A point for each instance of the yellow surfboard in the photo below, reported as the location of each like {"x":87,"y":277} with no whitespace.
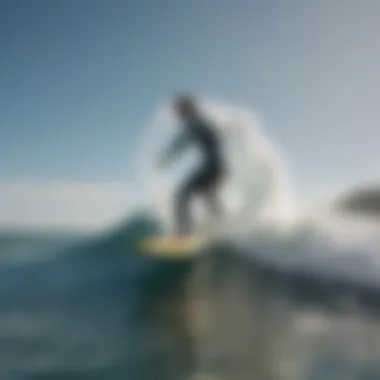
{"x":171,"y":246}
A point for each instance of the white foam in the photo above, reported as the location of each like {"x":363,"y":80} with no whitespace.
{"x":259,"y":199}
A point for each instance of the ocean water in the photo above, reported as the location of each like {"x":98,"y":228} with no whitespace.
{"x":92,"y":307}
{"x":278,"y":295}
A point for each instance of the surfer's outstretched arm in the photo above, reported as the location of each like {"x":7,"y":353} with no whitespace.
{"x":179,"y":144}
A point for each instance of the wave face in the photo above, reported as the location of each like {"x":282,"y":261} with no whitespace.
{"x":241,"y":312}
{"x":97,"y":308}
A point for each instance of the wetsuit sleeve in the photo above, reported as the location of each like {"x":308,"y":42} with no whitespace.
{"x":179,"y":144}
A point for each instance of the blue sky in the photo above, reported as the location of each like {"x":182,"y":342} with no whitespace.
{"x":80,"y":79}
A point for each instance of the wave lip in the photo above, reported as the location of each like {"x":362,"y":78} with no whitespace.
{"x":263,"y":218}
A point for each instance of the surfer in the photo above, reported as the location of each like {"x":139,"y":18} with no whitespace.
{"x":205,"y":180}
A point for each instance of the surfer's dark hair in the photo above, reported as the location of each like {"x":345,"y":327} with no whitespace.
{"x":185,"y":99}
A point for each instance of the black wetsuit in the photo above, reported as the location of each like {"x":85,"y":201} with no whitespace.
{"x":206,"y":178}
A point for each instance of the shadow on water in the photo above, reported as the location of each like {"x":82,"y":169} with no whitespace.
{"x":101,"y":310}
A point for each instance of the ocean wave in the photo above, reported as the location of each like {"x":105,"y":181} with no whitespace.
{"x":264,"y":219}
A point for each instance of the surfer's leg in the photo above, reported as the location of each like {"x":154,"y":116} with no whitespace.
{"x":182,"y":203}
{"x":212,"y":180}
{"x":182,"y":212}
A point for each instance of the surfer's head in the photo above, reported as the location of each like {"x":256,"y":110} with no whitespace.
{"x":186,"y":107}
